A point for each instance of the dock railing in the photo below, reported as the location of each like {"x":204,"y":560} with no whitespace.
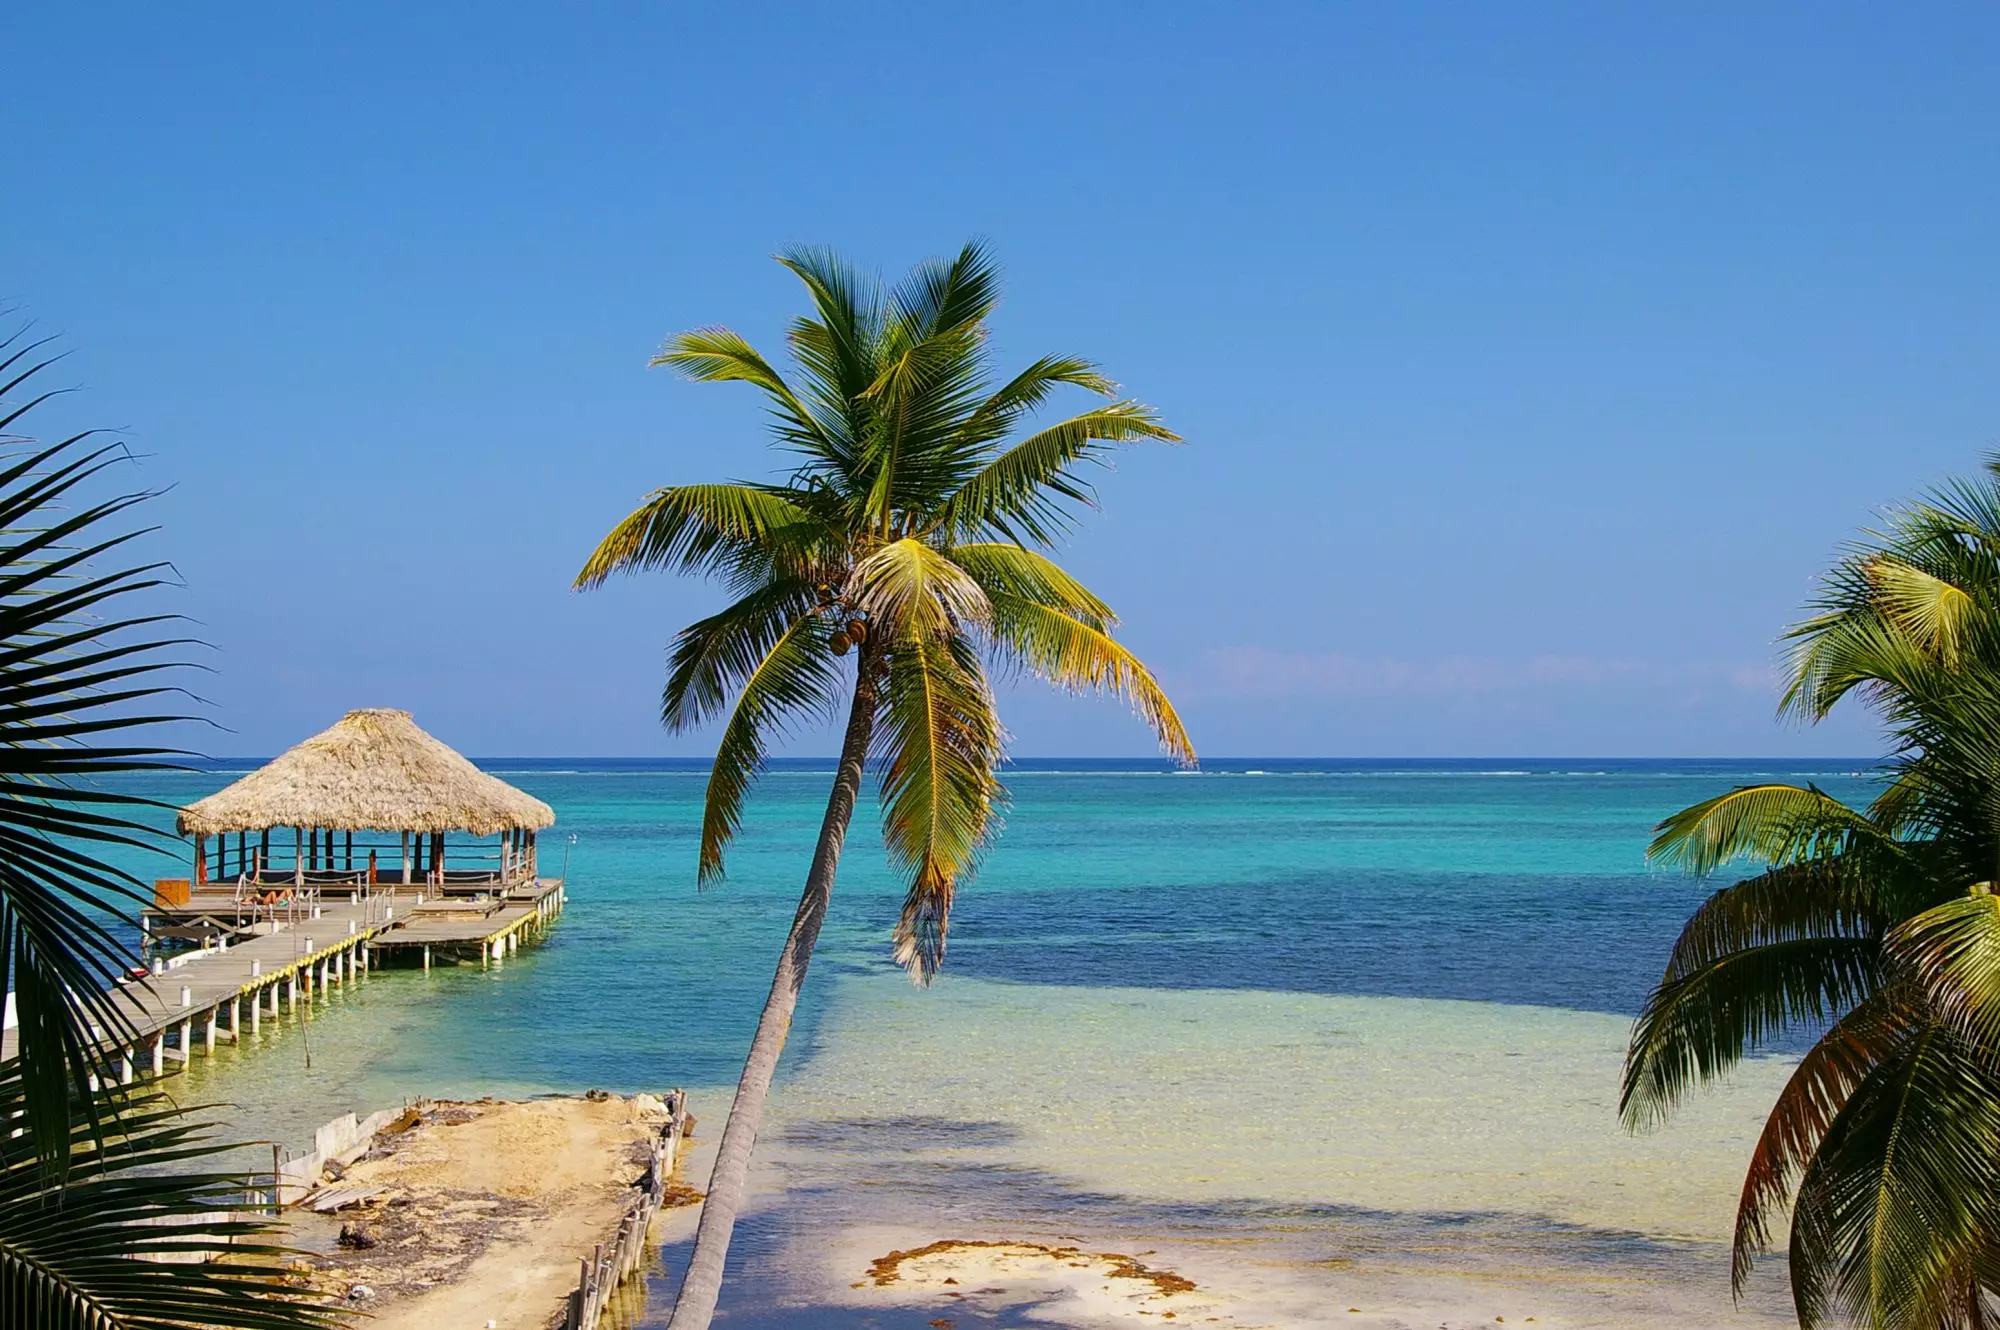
{"x":607,"y":1268}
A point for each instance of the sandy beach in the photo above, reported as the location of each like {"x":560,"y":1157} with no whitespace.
{"x":477,"y":1212}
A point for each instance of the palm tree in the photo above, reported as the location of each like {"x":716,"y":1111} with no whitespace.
{"x":911,"y":533}
{"x":1875,"y":930}
{"x":92,"y":1177}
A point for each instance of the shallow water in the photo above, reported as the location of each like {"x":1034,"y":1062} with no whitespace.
{"x":1322,"y":1037}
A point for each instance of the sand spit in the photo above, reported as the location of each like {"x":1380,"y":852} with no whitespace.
{"x":476,"y":1213}
{"x":1064,"y":1283}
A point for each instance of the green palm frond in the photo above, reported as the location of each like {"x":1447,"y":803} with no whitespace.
{"x":937,"y":746}
{"x":84,"y":671}
{"x":1020,"y":494}
{"x":704,"y":528}
{"x":913,"y":591}
{"x":712,"y":658}
{"x":793,"y":680}
{"x":1878,"y":1029}
{"x":1028,"y":391}
{"x":719,"y":355}
{"x":1769,"y":823}
{"x":1072,"y":654}
{"x":93,"y":1182}
{"x":1838,"y":897}
{"x":1932,"y":612}
{"x":115,"y":1244}
{"x":1953,"y":950}
{"x":1698,"y":1025}
{"x":1896,"y":1208}
{"x":1003,"y":569}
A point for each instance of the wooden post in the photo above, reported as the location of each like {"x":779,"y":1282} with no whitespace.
{"x":263,"y":850}
{"x":256,"y":1011}
{"x":200,"y":861}
{"x":427,"y":958}
{"x":406,"y":858}
{"x":350,"y":852}
{"x":160,"y":1054}
{"x":242,"y":852}
{"x":125,"y":1067}
{"x":298,"y":856}
{"x":208,"y":1035}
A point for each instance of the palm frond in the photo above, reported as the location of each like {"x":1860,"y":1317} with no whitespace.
{"x":936,"y":747}
{"x":1932,"y":611}
{"x":909,"y":590}
{"x":1003,"y":569}
{"x":946,"y":296}
{"x":1879,"y":1028}
{"x":711,"y":658}
{"x":1953,"y":951}
{"x":1770,"y":823}
{"x":718,"y":355}
{"x":1698,"y":1025}
{"x":701,"y":528}
{"x":79,"y":671}
{"x":794,"y":679}
{"x":1026,"y":391}
{"x":1019,"y":494}
{"x":1838,"y":897}
{"x":1073,"y":654}
{"x":116,"y":1243}
{"x":1895,"y":1208}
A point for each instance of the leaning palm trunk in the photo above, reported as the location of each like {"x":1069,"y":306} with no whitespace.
{"x":703,"y":1284}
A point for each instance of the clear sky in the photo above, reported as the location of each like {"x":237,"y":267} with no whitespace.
{"x":1532,"y":358}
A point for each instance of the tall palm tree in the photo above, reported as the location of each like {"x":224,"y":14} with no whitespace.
{"x":1877,"y":932}
{"x":95,"y":1180}
{"x":911,"y":533}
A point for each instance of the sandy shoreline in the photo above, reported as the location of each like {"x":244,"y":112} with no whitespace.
{"x":476,"y":1213}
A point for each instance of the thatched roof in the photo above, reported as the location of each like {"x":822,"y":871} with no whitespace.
{"x":374,"y":771}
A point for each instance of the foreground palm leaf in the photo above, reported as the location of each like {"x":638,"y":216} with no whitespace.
{"x":911,"y":533}
{"x":1875,"y":930}
{"x":78,"y":671}
{"x":91,"y":1179}
{"x":117,"y":1244}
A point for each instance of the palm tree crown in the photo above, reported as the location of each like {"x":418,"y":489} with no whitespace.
{"x":1876,"y":931}
{"x":911,"y":529}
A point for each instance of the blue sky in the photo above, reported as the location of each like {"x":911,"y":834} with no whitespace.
{"x":1532,"y":358}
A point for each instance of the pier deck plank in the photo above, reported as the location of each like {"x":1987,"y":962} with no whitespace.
{"x":215,"y":978}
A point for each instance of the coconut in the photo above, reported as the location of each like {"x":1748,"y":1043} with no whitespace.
{"x":840,"y":644}
{"x":857,"y":631}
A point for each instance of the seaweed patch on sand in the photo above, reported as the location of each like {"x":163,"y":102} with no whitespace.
{"x":1013,"y":1272}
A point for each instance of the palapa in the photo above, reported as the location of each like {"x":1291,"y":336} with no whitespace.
{"x":373,"y":771}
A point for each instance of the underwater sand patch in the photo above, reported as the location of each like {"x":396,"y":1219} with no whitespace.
{"x":1000,"y":1267}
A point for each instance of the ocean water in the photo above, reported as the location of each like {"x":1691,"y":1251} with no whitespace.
{"x":1316,"y":1035}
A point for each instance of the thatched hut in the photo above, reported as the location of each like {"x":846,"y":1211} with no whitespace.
{"x":374,"y":772}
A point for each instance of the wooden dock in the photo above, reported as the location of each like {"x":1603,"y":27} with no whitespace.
{"x":264,"y":963}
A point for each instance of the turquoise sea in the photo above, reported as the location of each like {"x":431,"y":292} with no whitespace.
{"x":1318,"y":1035}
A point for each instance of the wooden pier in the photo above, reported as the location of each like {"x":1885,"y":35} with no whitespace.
{"x":261,"y":963}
